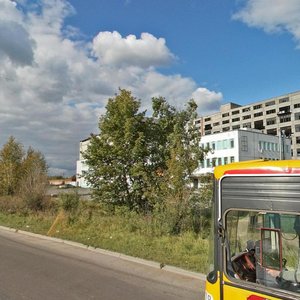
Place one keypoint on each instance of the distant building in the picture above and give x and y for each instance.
(81, 165)
(271, 116)
(240, 145)
(223, 148)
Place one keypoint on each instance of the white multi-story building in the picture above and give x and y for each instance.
(241, 145)
(80, 165)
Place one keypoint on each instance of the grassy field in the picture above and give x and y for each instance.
(122, 231)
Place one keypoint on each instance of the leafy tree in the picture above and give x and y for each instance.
(23, 174)
(122, 160)
(10, 165)
(34, 179)
(139, 161)
(184, 155)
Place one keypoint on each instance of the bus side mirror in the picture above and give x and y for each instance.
(271, 249)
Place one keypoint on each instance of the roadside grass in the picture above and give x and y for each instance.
(121, 231)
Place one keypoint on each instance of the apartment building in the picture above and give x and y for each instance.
(274, 116)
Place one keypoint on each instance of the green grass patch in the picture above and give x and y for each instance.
(122, 231)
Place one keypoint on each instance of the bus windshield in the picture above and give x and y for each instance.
(263, 247)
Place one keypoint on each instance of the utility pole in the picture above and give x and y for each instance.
(281, 144)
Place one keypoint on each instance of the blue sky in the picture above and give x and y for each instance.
(60, 60)
(244, 63)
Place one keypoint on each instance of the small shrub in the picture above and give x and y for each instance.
(11, 204)
(69, 202)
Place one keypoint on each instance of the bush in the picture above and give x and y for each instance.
(69, 202)
(10, 204)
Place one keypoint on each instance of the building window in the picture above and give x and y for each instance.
(283, 100)
(298, 152)
(265, 145)
(297, 116)
(247, 125)
(285, 119)
(225, 115)
(226, 128)
(235, 119)
(258, 114)
(297, 128)
(207, 127)
(225, 144)
(213, 146)
(219, 161)
(284, 110)
(272, 131)
(271, 121)
(270, 103)
(271, 111)
(236, 127)
(232, 159)
(246, 109)
(244, 143)
(225, 160)
(225, 122)
(216, 124)
(297, 139)
(269, 146)
(235, 112)
(208, 163)
(297, 105)
(246, 117)
(259, 124)
(214, 161)
(257, 106)
(231, 142)
(207, 119)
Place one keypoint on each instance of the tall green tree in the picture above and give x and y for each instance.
(122, 161)
(11, 156)
(137, 160)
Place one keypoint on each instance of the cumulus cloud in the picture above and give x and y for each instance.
(148, 51)
(54, 86)
(272, 16)
(207, 101)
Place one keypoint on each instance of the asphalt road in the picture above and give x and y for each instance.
(34, 268)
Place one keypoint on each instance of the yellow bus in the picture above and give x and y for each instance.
(255, 237)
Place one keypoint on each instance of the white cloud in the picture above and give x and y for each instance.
(272, 16)
(207, 101)
(148, 51)
(52, 91)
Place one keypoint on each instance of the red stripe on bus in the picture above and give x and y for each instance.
(254, 297)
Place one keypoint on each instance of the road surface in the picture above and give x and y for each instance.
(34, 268)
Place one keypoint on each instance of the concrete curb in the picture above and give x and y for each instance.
(149, 263)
